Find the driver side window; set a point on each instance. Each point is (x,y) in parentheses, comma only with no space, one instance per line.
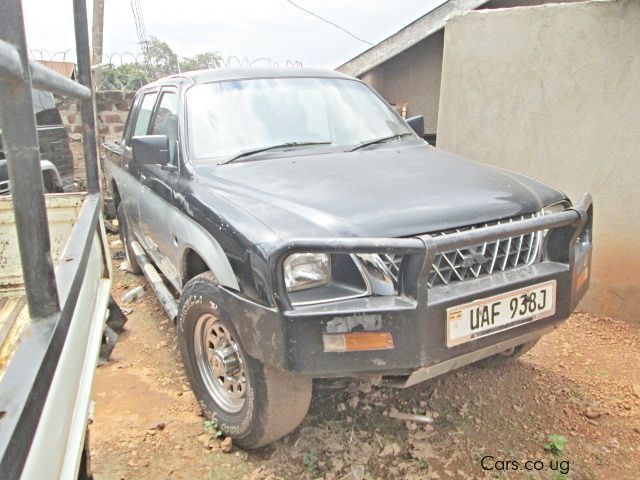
(166,121)
(144,115)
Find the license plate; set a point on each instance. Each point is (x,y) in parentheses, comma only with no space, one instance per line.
(501,312)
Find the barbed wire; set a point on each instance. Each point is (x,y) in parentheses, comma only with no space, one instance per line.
(43,54)
(141,72)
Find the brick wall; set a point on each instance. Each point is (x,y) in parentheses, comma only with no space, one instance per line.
(111,114)
(111,108)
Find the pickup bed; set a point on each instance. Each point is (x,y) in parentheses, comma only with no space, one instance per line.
(47,366)
(311,232)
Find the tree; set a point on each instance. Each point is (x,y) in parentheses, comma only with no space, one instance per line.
(125,77)
(201,61)
(160,59)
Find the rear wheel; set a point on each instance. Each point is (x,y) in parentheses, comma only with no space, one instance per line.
(252,402)
(130,255)
(508,356)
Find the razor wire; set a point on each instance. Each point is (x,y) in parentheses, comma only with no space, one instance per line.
(128,71)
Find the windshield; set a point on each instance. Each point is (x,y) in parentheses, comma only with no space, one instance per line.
(226,119)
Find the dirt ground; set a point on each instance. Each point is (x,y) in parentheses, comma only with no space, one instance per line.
(580,383)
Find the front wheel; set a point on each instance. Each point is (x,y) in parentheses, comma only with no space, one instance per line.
(254,403)
(508,356)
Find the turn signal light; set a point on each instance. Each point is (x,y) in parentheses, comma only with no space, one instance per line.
(582,277)
(357,341)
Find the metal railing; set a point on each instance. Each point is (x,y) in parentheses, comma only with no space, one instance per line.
(51,295)
(18,75)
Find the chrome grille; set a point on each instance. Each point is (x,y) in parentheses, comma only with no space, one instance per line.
(479,260)
(4,187)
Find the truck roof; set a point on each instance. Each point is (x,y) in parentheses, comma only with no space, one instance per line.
(225,74)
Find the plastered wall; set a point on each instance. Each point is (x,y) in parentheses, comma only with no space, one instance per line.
(554,92)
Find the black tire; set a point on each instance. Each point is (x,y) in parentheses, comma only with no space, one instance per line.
(507,356)
(123,227)
(273,402)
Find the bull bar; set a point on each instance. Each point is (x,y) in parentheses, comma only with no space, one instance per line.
(420,251)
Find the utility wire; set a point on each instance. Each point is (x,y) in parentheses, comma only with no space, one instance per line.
(329,22)
(141,31)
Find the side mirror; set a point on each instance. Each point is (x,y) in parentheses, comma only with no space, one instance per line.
(417,124)
(150,149)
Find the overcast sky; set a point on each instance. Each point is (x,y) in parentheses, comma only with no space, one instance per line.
(242,28)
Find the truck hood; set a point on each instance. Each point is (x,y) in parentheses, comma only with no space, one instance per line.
(383,192)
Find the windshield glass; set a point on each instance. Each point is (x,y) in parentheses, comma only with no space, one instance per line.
(227,118)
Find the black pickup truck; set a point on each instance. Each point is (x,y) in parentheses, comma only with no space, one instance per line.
(57,159)
(311,232)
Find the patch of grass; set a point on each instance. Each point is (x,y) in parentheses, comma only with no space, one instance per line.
(211,427)
(556,444)
(310,461)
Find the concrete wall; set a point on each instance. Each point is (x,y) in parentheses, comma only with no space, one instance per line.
(413,77)
(554,92)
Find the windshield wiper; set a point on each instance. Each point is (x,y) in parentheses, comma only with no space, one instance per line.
(253,151)
(379,140)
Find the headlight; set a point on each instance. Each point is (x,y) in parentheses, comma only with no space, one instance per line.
(306,270)
(555,208)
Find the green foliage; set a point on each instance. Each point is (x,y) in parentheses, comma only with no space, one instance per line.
(556,444)
(159,60)
(211,427)
(125,77)
(201,61)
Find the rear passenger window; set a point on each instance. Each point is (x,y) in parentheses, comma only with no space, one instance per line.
(144,114)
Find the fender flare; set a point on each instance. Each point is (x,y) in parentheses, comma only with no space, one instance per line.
(48,167)
(192,236)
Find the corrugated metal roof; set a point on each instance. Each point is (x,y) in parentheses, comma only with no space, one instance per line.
(68,69)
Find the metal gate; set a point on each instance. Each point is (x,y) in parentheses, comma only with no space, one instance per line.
(50,296)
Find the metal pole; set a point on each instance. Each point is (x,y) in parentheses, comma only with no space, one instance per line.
(20,139)
(86,106)
(96,38)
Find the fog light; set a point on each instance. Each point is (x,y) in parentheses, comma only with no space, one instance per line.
(355,341)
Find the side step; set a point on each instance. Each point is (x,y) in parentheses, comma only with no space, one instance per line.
(166,298)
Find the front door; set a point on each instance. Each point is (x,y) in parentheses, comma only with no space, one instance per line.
(156,200)
(131,181)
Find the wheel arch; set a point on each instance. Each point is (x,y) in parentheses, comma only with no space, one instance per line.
(49,171)
(116,193)
(191,239)
(210,257)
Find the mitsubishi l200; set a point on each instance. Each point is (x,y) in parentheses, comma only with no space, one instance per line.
(311,232)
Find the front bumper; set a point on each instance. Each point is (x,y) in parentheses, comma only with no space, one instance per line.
(291,337)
